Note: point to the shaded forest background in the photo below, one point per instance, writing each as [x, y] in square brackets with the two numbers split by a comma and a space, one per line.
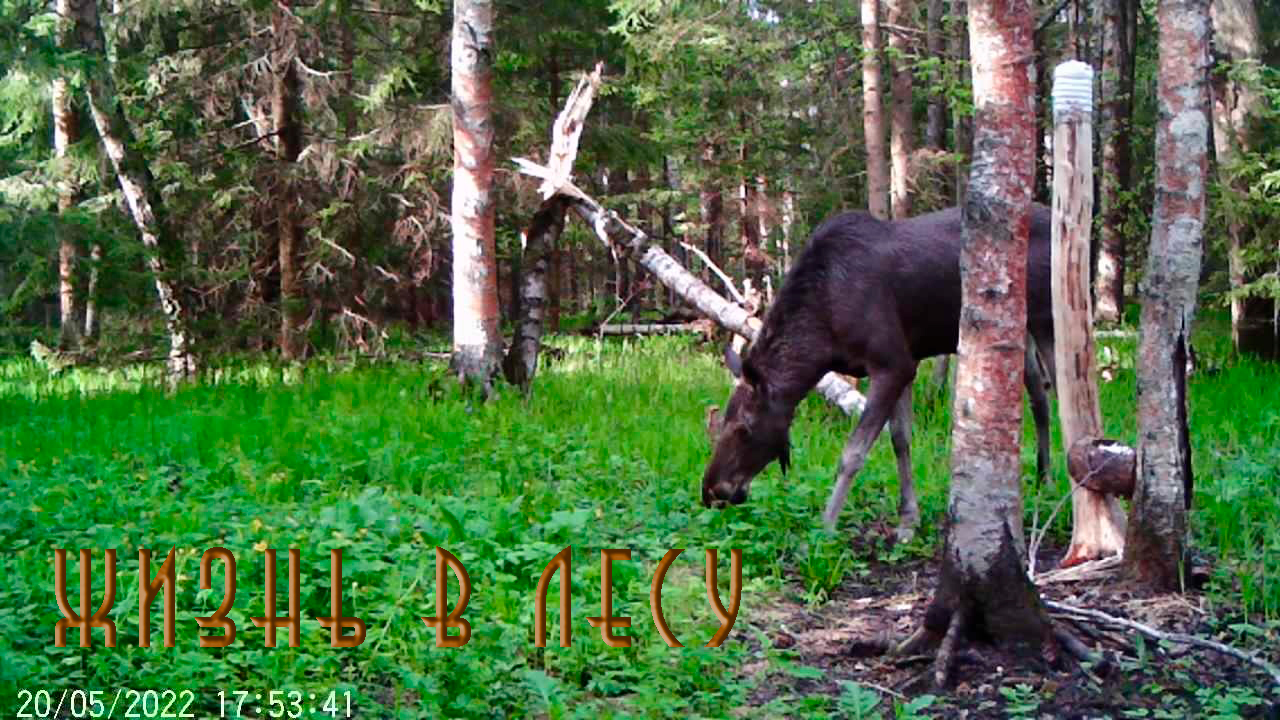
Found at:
[734, 127]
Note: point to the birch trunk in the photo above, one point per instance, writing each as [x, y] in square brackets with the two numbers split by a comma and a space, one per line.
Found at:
[984, 586]
[91, 295]
[1237, 39]
[788, 224]
[1116, 88]
[753, 258]
[477, 344]
[901, 131]
[873, 112]
[136, 185]
[95, 259]
[1156, 541]
[728, 315]
[555, 253]
[521, 363]
[284, 114]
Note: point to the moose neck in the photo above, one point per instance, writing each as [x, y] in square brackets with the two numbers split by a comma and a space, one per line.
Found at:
[792, 359]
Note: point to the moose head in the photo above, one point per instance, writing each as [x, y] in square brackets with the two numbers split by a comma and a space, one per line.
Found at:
[752, 432]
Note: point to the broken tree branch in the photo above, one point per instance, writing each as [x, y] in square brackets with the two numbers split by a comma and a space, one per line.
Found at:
[557, 180]
[1180, 638]
[730, 316]
[728, 281]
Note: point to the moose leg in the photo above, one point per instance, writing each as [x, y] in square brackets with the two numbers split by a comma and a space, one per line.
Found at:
[1034, 380]
[886, 388]
[900, 433]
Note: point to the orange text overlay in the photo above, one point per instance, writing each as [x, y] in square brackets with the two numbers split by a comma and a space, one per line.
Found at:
[165, 581]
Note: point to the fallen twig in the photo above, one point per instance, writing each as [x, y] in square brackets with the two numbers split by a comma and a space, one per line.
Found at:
[1084, 571]
[1182, 638]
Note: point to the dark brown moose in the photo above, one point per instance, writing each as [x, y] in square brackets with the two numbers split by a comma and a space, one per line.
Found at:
[867, 298]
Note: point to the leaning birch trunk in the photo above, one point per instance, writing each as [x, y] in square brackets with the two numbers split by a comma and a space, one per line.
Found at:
[477, 342]
[728, 315]
[557, 180]
[136, 185]
[1156, 541]
[1097, 528]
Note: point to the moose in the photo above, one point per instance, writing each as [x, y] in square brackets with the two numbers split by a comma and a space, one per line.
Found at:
[866, 298]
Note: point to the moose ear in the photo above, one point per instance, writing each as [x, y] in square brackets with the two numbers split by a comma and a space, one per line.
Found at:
[733, 361]
[714, 422]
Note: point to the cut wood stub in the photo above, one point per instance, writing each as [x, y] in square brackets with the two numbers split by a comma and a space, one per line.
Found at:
[1103, 465]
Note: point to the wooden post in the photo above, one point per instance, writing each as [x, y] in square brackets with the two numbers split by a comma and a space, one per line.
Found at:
[1098, 522]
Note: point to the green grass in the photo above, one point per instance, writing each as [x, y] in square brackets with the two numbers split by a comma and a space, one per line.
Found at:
[387, 462]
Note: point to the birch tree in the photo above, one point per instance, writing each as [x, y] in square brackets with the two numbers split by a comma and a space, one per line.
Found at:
[136, 184]
[984, 585]
[1156, 539]
[873, 112]
[901, 130]
[477, 343]
[1116, 95]
[1237, 41]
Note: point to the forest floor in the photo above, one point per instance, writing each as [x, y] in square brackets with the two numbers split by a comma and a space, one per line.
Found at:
[1135, 676]
[389, 460]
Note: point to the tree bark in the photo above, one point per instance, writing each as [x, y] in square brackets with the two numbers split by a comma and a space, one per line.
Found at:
[984, 587]
[788, 225]
[1237, 40]
[1156, 542]
[477, 343]
[556, 256]
[730, 316]
[873, 112]
[91, 296]
[1097, 528]
[901, 130]
[754, 262]
[66, 132]
[1116, 89]
[136, 185]
[521, 362]
[711, 207]
[962, 123]
[934, 127]
[284, 115]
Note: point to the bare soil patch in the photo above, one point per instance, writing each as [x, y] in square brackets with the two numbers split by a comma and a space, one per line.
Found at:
[846, 638]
